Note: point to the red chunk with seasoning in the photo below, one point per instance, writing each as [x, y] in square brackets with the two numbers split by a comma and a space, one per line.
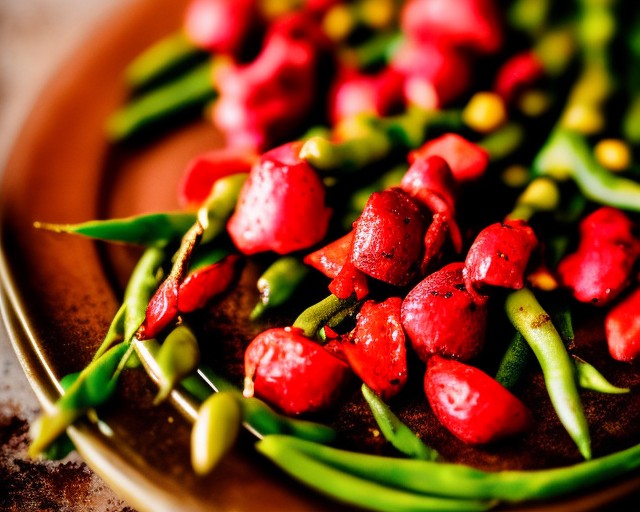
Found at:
[331, 258]
[293, 373]
[269, 99]
[388, 238]
[220, 26]
[467, 160]
[433, 75]
[376, 348]
[622, 327]
[499, 256]
[474, 25]
[600, 269]
[472, 405]
[204, 170]
[281, 207]
[441, 317]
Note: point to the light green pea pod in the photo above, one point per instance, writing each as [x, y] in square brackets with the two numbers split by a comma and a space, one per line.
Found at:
[590, 378]
[396, 432]
[214, 431]
[177, 357]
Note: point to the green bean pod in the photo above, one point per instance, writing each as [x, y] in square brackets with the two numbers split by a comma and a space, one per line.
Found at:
[514, 362]
[215, 431]
[162, 59]
[590, 378]
[396, 432]
[278, 283]
[312, 319]
[567, 153]
[92, 387]
[193, 90]
[142, 284]
[153, 229]
[457, 481]
[352, 489]
[177, 357]
[532, 321]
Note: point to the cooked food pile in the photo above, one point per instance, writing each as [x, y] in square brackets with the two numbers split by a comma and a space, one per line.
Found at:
[418, 249]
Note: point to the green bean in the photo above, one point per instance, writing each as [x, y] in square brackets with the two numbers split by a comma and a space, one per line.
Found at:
[567, 153]
[193, 90]
[352, 489]
[164, 58]
[368, 139]
[142, 284]
[459, 480]
[396, 432]
[219, 205]
[91, 388]
[503, 142]
[154, 229]
[278, 283]
[590, 378]
[532, 321]
[514, 362]
[177, 357]
[312, 319]
[215, 431]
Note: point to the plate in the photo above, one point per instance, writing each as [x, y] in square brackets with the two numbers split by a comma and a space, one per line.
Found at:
[61, 291]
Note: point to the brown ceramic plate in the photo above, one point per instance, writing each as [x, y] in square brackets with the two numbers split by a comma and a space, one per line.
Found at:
[61, 291]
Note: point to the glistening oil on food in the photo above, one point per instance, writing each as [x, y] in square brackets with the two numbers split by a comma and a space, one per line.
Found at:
[418, 247]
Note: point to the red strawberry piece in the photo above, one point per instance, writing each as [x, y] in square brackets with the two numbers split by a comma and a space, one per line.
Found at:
[519, 72]
[472, 405]
[434, 74]
[468, 24]
[270, 98]
[281, 205]
[349, 281]
[292, 372]
[622, 327]
[220, 26]
[431, 182]
[600, 269]
[203, 284]
[441, 317]
[205, 169]
[330, 258]
[467, 160]
[376, 349]
[499, 256]
[354, 92]
[388, 238]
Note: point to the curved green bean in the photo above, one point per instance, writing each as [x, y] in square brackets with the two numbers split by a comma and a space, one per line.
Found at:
[458, 480]
[153, 229]
[532, 321]
[352, 489]
[396, 432]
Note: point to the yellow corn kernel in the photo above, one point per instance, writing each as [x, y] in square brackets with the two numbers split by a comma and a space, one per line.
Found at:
[485, 112]
[614, 154]
[338, 22]
[583, 118]
[515, 176]
[378, 14]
